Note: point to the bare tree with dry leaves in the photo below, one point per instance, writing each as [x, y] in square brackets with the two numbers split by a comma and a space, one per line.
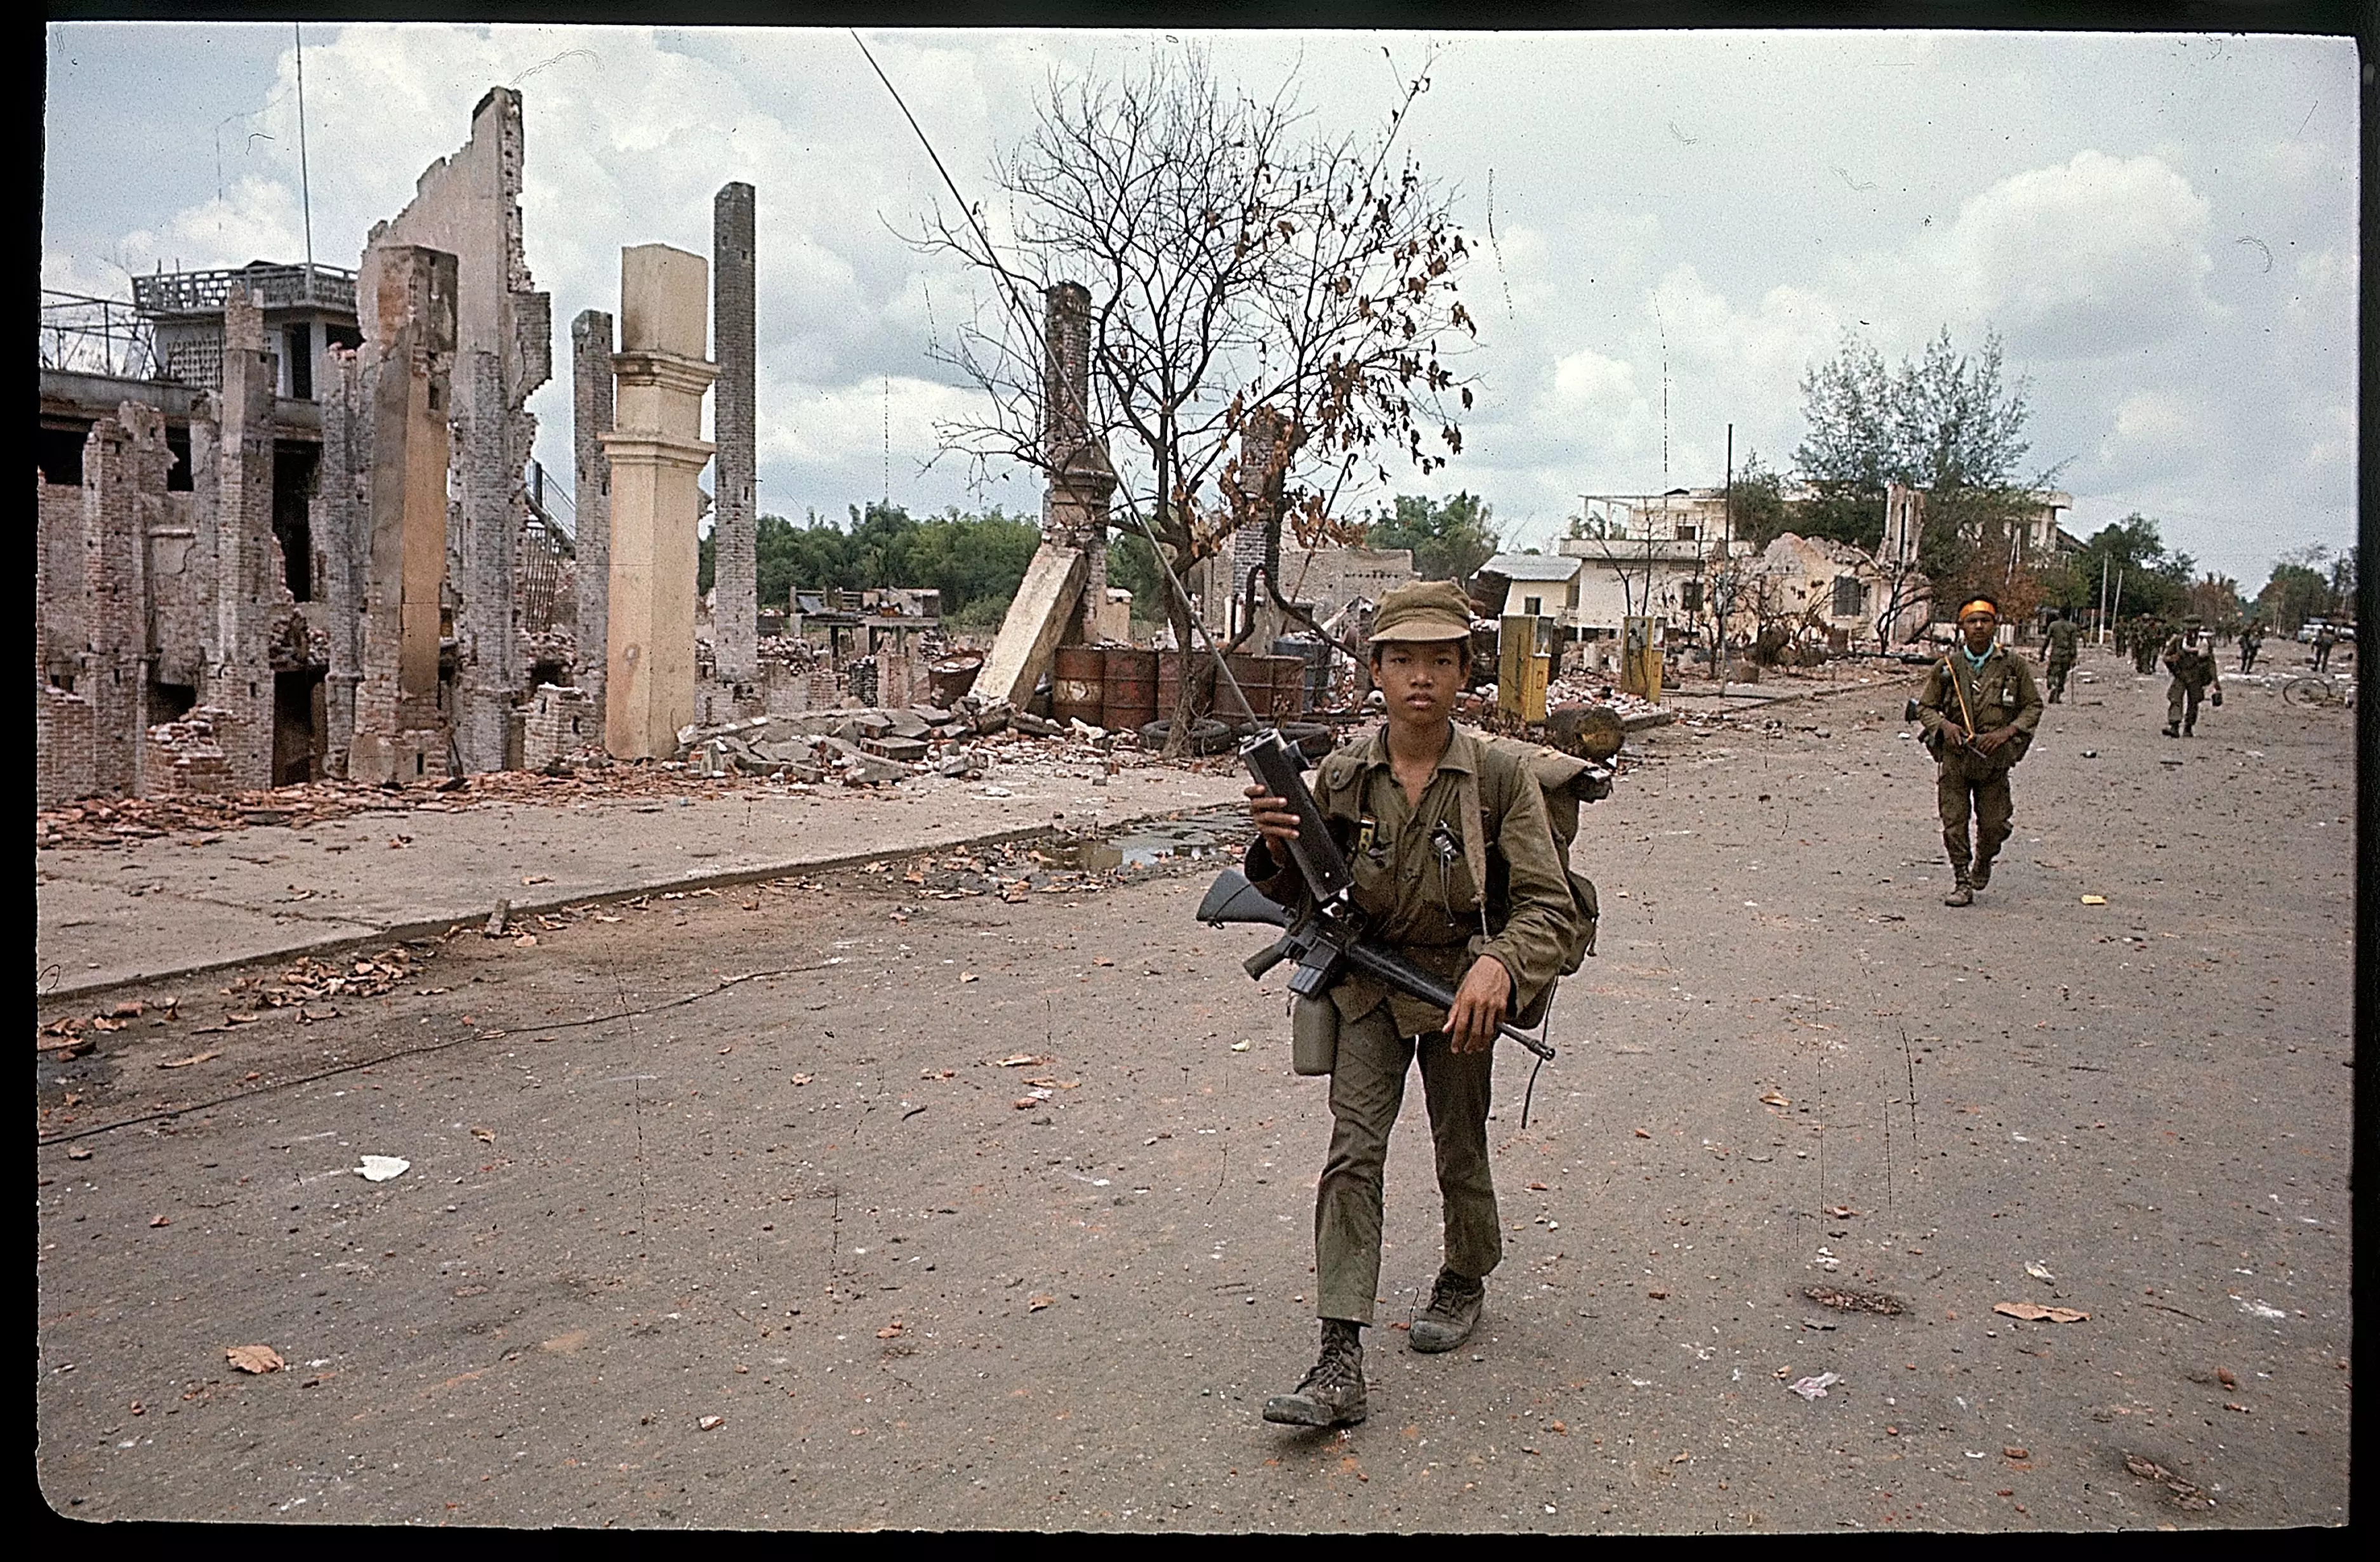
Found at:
[1246, 274]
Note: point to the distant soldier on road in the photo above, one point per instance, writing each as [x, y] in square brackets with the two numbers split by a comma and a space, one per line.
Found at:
[1979, 711]
[2191, 662]
[2251, 639]
[2148, 634]
[2065, 637]
[2324, 638]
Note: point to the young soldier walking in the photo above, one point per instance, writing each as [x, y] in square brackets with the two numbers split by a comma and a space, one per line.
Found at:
[1979, 711]
[1415, 808]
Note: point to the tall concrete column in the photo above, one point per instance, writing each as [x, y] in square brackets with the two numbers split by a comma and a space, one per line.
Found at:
[735, 612]
[591, 418]
[655, 455]
[408, 296]
[248, 555]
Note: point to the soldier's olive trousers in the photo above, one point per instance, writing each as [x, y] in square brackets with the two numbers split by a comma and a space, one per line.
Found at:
[1985, 794]
[2058, 672]
[1367, 1087]
[2182, 703]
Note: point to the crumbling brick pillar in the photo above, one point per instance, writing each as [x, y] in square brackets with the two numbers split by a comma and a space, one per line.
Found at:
[250, 586]
[591, 418]
[1258, 482]
[736, 611]
[655, 453]
[1074, 510]
[408, 296]
[124, 465]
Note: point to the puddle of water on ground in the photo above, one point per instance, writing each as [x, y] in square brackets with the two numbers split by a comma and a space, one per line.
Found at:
[1212, 833]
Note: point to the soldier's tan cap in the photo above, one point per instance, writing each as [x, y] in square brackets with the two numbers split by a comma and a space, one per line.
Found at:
[1427, 610]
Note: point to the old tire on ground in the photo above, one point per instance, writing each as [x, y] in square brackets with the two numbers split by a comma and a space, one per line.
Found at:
[1206, 736]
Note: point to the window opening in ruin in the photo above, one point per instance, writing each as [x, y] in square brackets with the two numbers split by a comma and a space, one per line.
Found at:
[293, 486]
[301, 359]
[543, 671]
[346, 336]
[1690, 595]
[63, 681]
[296, 697]
[1850, 595]
[1532, 606]
[59, 452]
[177, 442]
[170, 702]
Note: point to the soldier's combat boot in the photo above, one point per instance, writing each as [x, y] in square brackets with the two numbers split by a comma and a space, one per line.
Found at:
[1981, 874]
[1453, 1313]
[2190, 729]
[1332, 1394]
[2173, 729]
[1963, 893]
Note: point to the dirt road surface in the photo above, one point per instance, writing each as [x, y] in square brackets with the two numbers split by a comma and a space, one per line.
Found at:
[829, 1203]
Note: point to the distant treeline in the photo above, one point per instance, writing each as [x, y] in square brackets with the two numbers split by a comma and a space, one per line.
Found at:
[974, 561]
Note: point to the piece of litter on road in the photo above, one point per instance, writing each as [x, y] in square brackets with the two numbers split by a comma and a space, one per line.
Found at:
[259, 1359]
[803, 1079]
[1239, 1046]
[1814, 1388]
[2094, 900]
[710, 1423]
[2035, 1313]
[159, 1220]
[186, 1062]
[1022, 1059]
[1039, 1302]
[1776, 1098]
[2261, 1309]
[380, 1169]
[2040, 1272]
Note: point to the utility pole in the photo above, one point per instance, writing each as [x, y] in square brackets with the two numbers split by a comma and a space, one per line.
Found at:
[305, 184]
[2102, 624]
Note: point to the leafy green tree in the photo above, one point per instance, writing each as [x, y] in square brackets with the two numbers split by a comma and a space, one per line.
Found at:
[1757, 504]
[1947, 423]
[1450, 541]
[970, 559]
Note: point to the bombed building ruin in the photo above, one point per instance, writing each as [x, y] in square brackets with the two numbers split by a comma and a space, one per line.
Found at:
[293, 535]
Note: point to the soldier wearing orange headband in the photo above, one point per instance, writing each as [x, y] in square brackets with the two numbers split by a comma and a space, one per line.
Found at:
[1979, 711]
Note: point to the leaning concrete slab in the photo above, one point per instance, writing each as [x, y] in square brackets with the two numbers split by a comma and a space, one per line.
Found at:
[1038, 619]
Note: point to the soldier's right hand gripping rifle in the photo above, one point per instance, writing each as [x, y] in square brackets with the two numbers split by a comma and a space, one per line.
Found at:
[1328, 938]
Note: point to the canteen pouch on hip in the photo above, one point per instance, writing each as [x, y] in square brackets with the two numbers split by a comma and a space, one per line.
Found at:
[1313, 1035]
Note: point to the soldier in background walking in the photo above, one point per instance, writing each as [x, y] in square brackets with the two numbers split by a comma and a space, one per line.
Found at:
[1979, 710]
[2191, 662]
[2065, 636]
[2251, 639]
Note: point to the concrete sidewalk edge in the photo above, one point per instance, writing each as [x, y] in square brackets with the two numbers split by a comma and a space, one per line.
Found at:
[683, 884]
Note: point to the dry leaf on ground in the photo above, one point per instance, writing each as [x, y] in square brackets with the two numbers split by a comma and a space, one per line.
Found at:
[254, 1358]
[2033, 1312]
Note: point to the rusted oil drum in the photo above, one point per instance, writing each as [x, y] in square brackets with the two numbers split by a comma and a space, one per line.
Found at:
[1590, 732]
[952, 677]
[1128, 681]
[1288, 685]
[1079, 685]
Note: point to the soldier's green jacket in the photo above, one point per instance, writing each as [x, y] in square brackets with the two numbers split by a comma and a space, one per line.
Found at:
[1427, 908]
[1999, 694]
[2064, 634]
[2194, 668]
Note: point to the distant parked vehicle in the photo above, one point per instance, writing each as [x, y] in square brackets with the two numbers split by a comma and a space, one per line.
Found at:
[2308, 630]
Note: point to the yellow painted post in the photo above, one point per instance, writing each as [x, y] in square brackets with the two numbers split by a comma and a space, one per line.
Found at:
[1516, 648]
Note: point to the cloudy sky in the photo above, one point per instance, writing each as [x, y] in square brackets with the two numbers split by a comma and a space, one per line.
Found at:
[2161, 228]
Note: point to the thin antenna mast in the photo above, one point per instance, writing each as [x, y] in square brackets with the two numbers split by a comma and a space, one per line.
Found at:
[305, 183]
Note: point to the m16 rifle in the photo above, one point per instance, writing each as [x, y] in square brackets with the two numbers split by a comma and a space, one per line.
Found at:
[1328, 939]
